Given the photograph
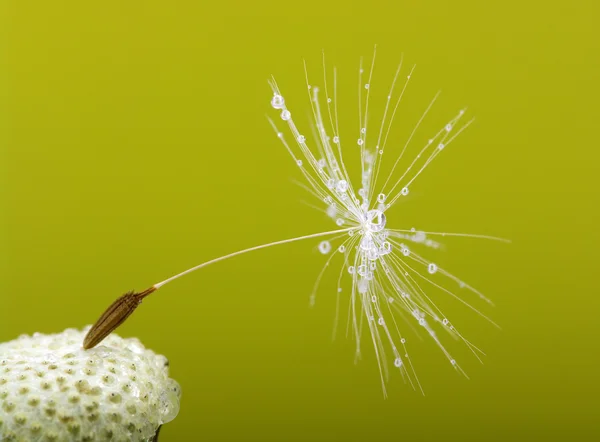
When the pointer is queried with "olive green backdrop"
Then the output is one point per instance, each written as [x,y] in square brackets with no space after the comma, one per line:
[134,144]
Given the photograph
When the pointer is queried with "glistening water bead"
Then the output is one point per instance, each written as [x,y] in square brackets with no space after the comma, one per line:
[324,247]
[375,221]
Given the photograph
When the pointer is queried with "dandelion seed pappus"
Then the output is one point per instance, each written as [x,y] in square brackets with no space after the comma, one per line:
[388,278]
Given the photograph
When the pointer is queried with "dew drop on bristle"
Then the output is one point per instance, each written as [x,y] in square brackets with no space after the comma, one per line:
[404,191]
[441,146]
[375,221]
[339,222]
[381,197]
[341,186]
[342,249]
[324,247]
[448,127]
[398,362]
[331,211]
[286,115]
[363,286]
[351,270]
[336,139]
[301,139]
[299,162]
[277,101]
[432,268]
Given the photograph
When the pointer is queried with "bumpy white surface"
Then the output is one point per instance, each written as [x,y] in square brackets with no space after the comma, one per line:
[53,390]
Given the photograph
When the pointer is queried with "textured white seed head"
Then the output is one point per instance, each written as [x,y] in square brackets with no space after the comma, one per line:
[51,389]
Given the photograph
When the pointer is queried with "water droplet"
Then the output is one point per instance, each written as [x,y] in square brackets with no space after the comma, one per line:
[452,361]
[445,321]
[336,139]
[342,248]
[373,298]
[441,146]
[329,100]
[375,220]
[363,130]
[301,139]
[422,322]
[448,127]
[363,286]
[404,191]
[324,247]
[286,115]
[277,101]
[351,270]
[390,299]
[341,186]
[360,142]
[398,362]
[330,183]
[380,321]
[366,85]
[381,197]
[339,222]
[403,340]
[299,163]
[432,268]
[405,251]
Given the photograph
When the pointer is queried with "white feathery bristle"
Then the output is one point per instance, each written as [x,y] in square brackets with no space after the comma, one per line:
[393,287]
[51,389]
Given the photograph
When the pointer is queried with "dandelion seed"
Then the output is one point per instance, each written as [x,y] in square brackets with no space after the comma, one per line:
[379,265]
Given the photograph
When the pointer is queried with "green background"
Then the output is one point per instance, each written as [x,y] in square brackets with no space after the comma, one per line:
[134,144]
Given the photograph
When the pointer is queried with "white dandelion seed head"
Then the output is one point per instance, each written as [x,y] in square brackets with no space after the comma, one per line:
[52,389]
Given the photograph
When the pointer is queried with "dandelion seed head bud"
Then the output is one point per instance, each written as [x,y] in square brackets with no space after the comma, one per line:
[52,389]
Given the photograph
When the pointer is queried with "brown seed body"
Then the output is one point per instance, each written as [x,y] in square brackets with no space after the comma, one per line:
[114,316]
